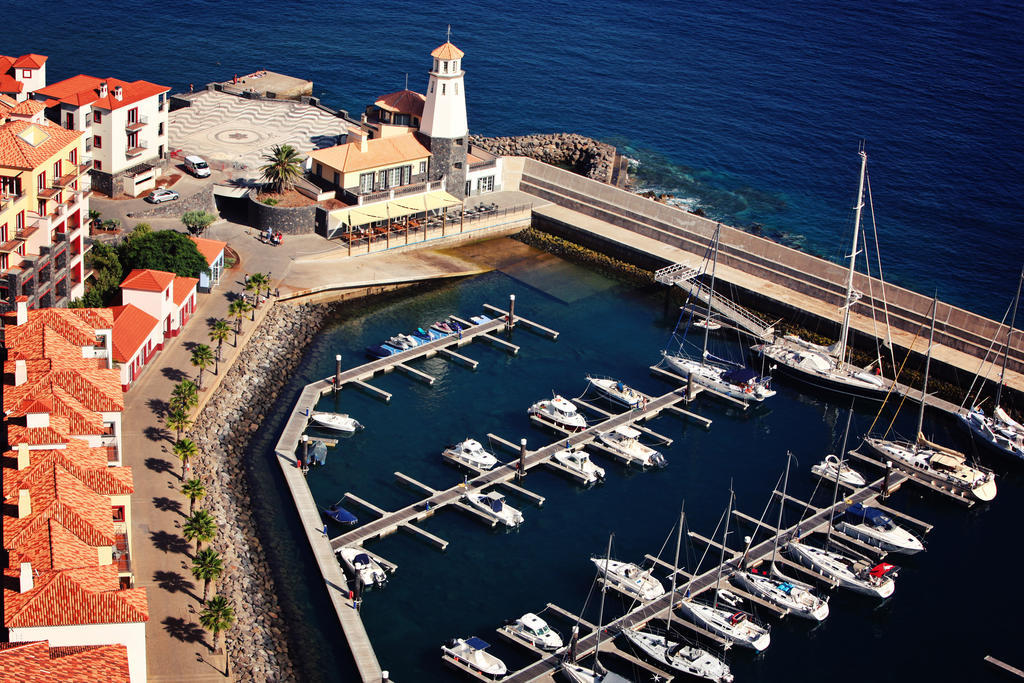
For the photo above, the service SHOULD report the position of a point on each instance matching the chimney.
(23, 456)
(103, 89)
(21, 310)
(20, 372)
(26, 583)
(24, 504)
(362, 141)
(118, 93)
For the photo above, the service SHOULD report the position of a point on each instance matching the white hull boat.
(738, 383)
(1000, 431)
(472, 653)
(849, 573)
(360, 564)
(944, 464)
(339, 422)
(680, 656)
(559, 412)
(874, 527)
(789, 594)
(536, 632)
(577, 673)
(630, 578)
(826, 469)
(736, 627)
(472, 454)
(617, 391)
(493, 505)
(626, 442)
(816, 365)
(579, 462)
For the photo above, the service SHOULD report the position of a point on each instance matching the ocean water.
(752, 113)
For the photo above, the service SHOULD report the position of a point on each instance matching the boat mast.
(675, 569)
(711, 293)
(600, 614)
(927, 366)
(839, 470)
(782, 503)
(725, 539)
(1009, 335)
(841, 356)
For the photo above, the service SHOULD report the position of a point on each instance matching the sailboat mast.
(711, 293)
(675, 568)
(600, 614)
(782, 503)
(1009, 336)
(839, 470)
(927, 366)
(841, 356)
(725, 540)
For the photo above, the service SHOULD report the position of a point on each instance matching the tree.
(138, 231)
(185, 395)
(219, 331)
(207, 566)
(104, 287)
(178, 420)
(198, 221)
(283, 167)
(202, 358)
(194, 489)
(237, 310)
(200, 527)
(94, 217)
(217, 616)
(165, 250)
(185, 450)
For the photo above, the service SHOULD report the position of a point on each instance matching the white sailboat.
(998, 430)
(872, 526)
(559, 412)
(626, 442)
(493, 505)
(472, 454)
(630, 578)
(833, 466)
(579, 461)
(616, 391)
(826, 366)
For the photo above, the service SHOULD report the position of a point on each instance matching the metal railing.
(138, 124)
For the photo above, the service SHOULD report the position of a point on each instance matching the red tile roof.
(30, 61)
(183, 287)
(132, 326)
(26, 145)
(51, 545)
(10, 84)
(35, 662)
(447, 51)
(148, 280)
(57, 333)
(402, 102)
(210, 249)
(82, 89)
(29, 107)
(88, 464)
(87, 595)
(83, 390)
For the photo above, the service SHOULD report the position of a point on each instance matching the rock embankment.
(258, 641)
(586, 156)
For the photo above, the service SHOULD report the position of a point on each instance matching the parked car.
(161, 194)
(197, 166)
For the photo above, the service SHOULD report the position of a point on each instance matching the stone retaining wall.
(290, 220)
(588, 157)
(200, 201)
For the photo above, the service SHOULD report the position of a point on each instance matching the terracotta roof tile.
(25, 145)
(402, 102)
(88, 464)
(28, 107)
(183, 287)
(148, 280)
(71, 390)
(379, 152)
(447, 51)
(132, 326)
(30, 61)
(210, 249)
(82, 89)
(52, 546)
(87, 595)
(10, 84)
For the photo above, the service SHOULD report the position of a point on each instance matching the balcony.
(66, 180)
(138, 124)
(7, 199)
(133, 152)
(120, 554)
(373, 197)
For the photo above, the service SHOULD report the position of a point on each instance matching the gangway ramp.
(685, 277)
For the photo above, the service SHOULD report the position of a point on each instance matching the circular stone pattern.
(238, 136)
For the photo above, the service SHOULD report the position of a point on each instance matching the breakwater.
(583, 155)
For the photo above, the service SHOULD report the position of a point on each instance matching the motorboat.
(948, 466)
(471, 454)
(472, 652)
(536, 632)
(877, 581)
(735, 626)
(743, 384)
(340, 422)
(872, 526)
(626, 442)
(616, 391)
(560, 413)
(340, 514)
(359, 564)
(827, 469)
(797, 597)
(682, 657)
(480, 319)
(493, 505)
(579, 462)
(630, 578)
(402, 342)
(381, 351)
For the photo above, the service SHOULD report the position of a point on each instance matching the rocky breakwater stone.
(258, 642)
(587, 156)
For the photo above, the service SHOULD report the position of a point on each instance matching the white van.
(197, 167)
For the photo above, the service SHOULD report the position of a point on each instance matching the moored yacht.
(579, 462)
(536, 632)
(680, 656)
(340, 422)
(735, 626)
(360, 564)
(999, 430)
(616, 391)
(828, 468)
(742, 384)
(472, 652)
(945, 464)
(797, 597)
(630, 578)
(559, 412)
(626, 442)
(472, 454)
(493, 505)
(874, 527)
(877, 581)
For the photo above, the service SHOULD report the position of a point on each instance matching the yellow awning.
(353, 216)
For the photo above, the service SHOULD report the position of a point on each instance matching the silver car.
(161, 194)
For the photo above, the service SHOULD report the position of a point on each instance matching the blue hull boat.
(340, 515)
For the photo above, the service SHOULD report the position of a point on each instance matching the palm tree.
(202, 358)
(252, 285)
(217, 616)
(185, 449)
(283, 167)
(194, 489)
(237, 310)
(259, 282)
(219, 331)
(207, 567)
(185, 395)
(200, 527)
(178, 420)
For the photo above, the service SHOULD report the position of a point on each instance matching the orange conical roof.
(447, 51)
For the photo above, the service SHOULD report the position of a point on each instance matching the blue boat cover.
(496, 504)
(341, 515)
(739, 375)
(858, 513)
(477, 643)
(362, 558)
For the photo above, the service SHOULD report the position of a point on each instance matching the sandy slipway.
(258, 642)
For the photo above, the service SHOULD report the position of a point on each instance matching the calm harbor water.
(488, 576)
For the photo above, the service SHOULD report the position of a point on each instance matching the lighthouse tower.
(443, 126)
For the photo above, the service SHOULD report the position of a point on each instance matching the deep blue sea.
(752, 112)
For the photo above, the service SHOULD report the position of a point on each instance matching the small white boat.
(849, 573)
(742, 384)
(578, 461)
(402, 342)
(688, 659)
(340, 422)
(471, 453)
(536, 632)
(360, 564)
(630, 578)
(559, 412)
(735, 626)
(472, 653)
(616, 391)
(493, 505)
(795, 596)
(826, 469)
(874, 527)
(626, 442)
(480, 319)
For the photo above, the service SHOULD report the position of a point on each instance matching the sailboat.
(735, 381)
(998, 430)
(826, 366)
(680, 656)
(735, 626)
(775, 587)
(945, 464)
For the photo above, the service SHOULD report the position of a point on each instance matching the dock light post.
(305, 450)
(337, 373)
(511, 322)
(885, 482)
(522, 459)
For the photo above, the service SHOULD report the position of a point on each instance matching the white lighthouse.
(443, 125)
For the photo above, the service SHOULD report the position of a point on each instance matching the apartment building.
(19, 76)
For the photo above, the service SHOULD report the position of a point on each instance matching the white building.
(443, 127)
(20, 76)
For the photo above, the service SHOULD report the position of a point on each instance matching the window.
(160, 128)
(3, 233)
(485, 184)
(458, 164)
(460, 141)
(56, 169)
(167, 294)
(456, 88)
(118, 512)
(41, 205)
(337, 179)
(97, 117)
(97, 141)
(423, 167)
(133, 115)
(19, 222)
(133, 140)
(320, 170)
(444, 67)
(442, 88)
(26, 73)
(69, 121)
(365, 183)
(431, 85)
(73, 156)
(98, 165)
(3, 263)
